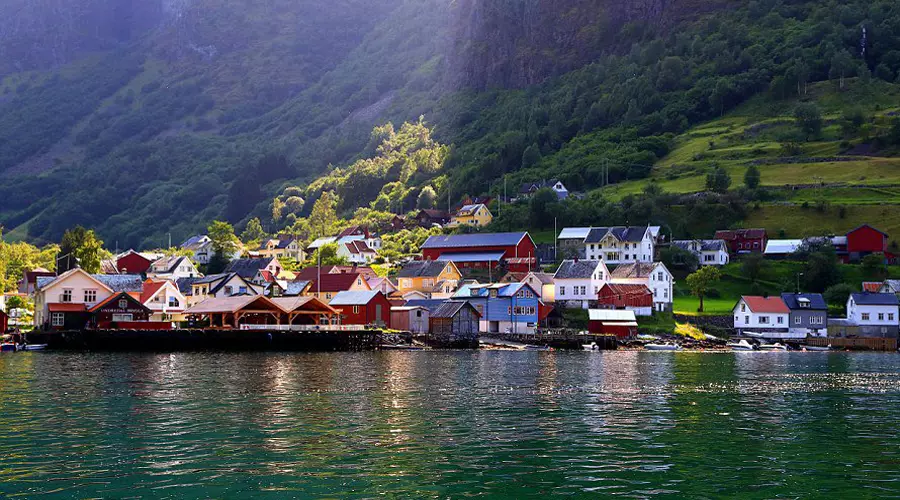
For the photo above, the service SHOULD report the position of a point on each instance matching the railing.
(307, 328)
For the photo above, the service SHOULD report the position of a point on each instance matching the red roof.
(871, 286)
(627, 289)
(339, 282)
(267, 275)
(58, 307)
(310, 273)
(740, 233)
(766, 304)
(358, 246)
(150, 289)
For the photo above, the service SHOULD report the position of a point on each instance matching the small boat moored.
(590, 347)
(815, 348)
(741, 345)
(662, 347)
(773, 347)
(8, 347)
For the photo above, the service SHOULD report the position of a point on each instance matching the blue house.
(504, 307)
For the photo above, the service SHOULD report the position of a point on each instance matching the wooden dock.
(560, 339)
(858, 343)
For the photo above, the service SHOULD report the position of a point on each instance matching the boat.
(590, 347)
(530, 347)
(815, 348)
(741, 345)
(662, 347)
(8, 347)
(773, 347)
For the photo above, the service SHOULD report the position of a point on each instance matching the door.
(378, 319)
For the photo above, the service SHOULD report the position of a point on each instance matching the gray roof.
(633, 270)
(184, 284)
(209, 278)
(169, 264)
(422, 269)
(816, 302)
(474, 240)
(705, 245)
(431, 304)
(296, 287)
(892, 285)
(630, 234)
(121, 282)
(544, 278)
(875, 299)
(247, 268)
(576, 269)
(449, 308)
(348, 298)
(42, 281)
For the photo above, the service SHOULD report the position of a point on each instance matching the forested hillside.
(210, 109)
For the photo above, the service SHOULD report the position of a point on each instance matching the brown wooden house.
(454, 323)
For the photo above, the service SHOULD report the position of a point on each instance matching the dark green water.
(450, 424)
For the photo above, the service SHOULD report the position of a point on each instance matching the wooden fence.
(860, 343)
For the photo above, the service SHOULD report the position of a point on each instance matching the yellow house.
(438, 279)
(472, 215)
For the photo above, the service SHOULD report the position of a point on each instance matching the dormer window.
(123, 304)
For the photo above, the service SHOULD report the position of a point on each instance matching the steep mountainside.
(155, 117)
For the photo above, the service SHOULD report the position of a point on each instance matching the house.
(476, 215)
(326, 287)
(765, 315)
(708, 252)
(428, 218)
(543, 284)
(305, 311)
(570, 242)
(782, 249)
(28, 283)
(875, 314)
(577, 282)
(134, 262)
(202, 248)
(454, 323)
(219, 286)
(247, 267)
(312, 272)
(637, 298)
(164, 299)
(886, 286)
(809, 313)
(173, 268)
(511, 308)
(412, 319)
(655, 276)
(741, 241)
(621, 323)
(282, 288)
(528, 189)
(865, 240)
(483, 250)
(62, 302)
(263, 277)
(123, 311)
(237, 311)
(356, 252)
(620, 245)
(363, 308)
(283, 245)
(429, 277)
(383, 285)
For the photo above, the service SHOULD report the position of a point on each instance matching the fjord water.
(450, 424)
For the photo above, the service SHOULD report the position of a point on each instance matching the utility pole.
(170, 241)
(555, 240)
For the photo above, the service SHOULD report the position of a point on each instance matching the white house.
(577, 282)
(63, 301)
(708, 252)
(543, 284)
(173, 268)
(876, 314)
(761, 314)
(164, 299)
(221, 285)
(202, 248)
(620, 245)
(356, 252)
(653, 275)
(557, 186)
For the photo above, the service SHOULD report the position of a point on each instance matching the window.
(763, 320)
(659, 276)
(747, 319)
(865, 316)
(743, 307)
(798, 320)
(584, 290)
(562, 290)
(328, 295)
(123, 304)
(355, 309)
(122, 317)
(66, 295)
(242, 290)
(359, 281)
(57, 319)
(880, 316)
(229, 290)
(90, 296)
(890, 316)
(173, 302)
(780, 320)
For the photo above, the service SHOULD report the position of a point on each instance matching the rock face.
(514, 43)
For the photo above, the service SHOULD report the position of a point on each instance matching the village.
(463, 286)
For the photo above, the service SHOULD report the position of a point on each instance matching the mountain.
(154, 117)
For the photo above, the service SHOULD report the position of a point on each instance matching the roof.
(470, 209)
(704, 245)
(42, 281)
(423, 269)
(765, 304)
(354, 298)
(266, 275)
(296, 287)
(114, 297)
(230, 304)
(354, 230)
(194, 241)
(893, 286)
(150, 289)
(875, 299)
(184, 285)
(168, 264)
(471, 257)
(816, 302)
(482, 291)
(65, 308)
(866, 226)
(574, 233)
(576, 269)
(309, 273)
(322, 241)
(108, 266)
(210, 278)
(358, 246)
(449, 308)
(291, 304)
(621, 233)
(627, 289)
(475, 240)
(731, 234)
(634, 270)
(544, 278)
(782, 247)
(334, 282)
(121, 282)
(431, 304)
(611, 315)
(248, 267)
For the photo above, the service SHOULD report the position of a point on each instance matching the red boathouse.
(363, 308)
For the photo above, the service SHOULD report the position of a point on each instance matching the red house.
(4, 322)
(744, 240)
(622, 324)
(122, 311)
(863, 241)
(625, 296)
(363, 308)
(132, 262)
(483, 250)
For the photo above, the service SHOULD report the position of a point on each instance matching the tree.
(852, 121)
(80, 247)
(326, 255)
(542, 206)
(323, 217)
(809, 119)
(14, 302)
(531, 156)
(294, 204)
(752, 177)
(671, 71)
(224, 245)
(837, 295)
(842, 65)
(426, 198)
(702, 281)
(718, 180)
(675, 257)
(752, 266)
(821, 270)
(874, 267)
(253, 231)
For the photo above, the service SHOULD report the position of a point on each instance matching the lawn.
(799, 222)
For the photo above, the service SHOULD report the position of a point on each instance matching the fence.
(872, 344)
(307, 328)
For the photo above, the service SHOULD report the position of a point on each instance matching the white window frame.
(57, 319)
